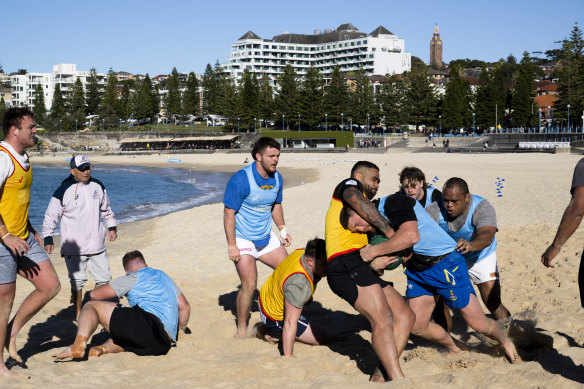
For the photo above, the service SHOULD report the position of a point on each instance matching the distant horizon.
(139, 37)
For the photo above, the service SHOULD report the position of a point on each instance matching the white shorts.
(484, 270)
(248, 247)
(97, 264)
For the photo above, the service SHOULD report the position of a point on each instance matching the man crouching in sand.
(149, 326)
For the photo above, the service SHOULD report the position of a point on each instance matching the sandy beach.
(190, 246)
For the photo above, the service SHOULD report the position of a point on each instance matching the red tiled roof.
(545, 100)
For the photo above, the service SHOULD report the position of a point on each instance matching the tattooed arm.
(365, 208)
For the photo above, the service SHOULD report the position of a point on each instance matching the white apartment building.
(380, 52)
(23, 85)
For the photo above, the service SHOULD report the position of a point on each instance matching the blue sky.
(152, 37)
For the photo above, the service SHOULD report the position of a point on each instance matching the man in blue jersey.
(149, 326)
(434, 269)
(253, 198)
(471, 221)
(413, 183)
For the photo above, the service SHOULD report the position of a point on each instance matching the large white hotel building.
(65, 74)
(379, 52)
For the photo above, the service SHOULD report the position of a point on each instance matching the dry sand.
(190, 246)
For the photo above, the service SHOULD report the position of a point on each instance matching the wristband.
(8, 233)
(283, 232)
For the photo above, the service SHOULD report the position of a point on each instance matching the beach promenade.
(528, 191)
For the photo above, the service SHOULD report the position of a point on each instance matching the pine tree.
(484, 103)
(40, 109)
(58, 104)
(456, 106)
(126, 106)
(362, 99)
(209, 90)
(109, 109)
(570, 71)
(390, 100)
(522, 114)
(172, 102)
(191, 96)
(420, 97)
(76, 98)
(311, 99)
(336, 97)
(248, 100)
(93, 95)
(287, 98)
(266, 99)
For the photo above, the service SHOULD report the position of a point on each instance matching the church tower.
(436, 48)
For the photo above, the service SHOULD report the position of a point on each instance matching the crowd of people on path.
(445, 241)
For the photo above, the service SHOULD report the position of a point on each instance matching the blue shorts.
(448, 278)
(275, 328)
(10, 263)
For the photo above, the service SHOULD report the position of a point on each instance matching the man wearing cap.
(20, 251)
(80, 203)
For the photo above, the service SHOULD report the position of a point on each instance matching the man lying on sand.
(158, 309)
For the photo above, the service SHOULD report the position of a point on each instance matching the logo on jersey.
(95, 195)
(267, 187)
(452, 296)
(351, 182)
(21, 178)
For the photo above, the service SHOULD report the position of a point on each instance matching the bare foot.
(461, 348)
(240, 335)
(12, 350)
(63, 354)
(96, 351)
(5, 373)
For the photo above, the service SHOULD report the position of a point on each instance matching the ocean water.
(135, 193)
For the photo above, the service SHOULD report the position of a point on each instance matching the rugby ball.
(377, 239)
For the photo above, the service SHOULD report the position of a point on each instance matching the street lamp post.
(569, 130)
(120, 125)
(192, 126)
(384, 125)
(351, 123)
(473, 124)
(75, 125)
(102, 125)
(440, 117)
(149, 129)
(237, 124)
(549, 115)
(367, 122)
(342, 121)
(60, 124)
(298, 121)
(282, 122)
(254, 125)
(326, 122)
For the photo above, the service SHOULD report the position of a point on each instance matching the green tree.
(58, 104)
(522, 114)
(336, 97)
(109, 109)
(390, 101)
(484, 103)
(420, 98)
(76, 98)
(266, 99)
(93, 95)
(311, 99)
(191, 97)
(126, 103)
(570, 71)
(248, 99)
(456, 112)
(172, 101)
(40, 110)
(210, 90)
(362, 99)
(288, 96)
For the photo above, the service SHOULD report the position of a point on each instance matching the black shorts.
(347, 271)
(138, 331)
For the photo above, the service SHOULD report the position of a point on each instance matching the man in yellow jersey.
(21, 250)
(287, 291)
(355, 279)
